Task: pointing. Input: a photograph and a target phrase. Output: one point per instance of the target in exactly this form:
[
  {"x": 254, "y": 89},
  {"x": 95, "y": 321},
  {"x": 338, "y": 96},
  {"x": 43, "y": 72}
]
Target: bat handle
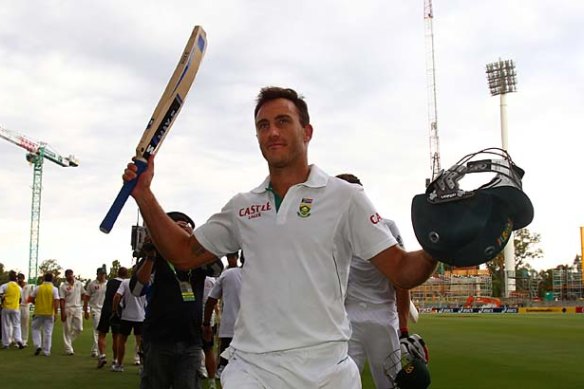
[{"x": 114, "y": 211}]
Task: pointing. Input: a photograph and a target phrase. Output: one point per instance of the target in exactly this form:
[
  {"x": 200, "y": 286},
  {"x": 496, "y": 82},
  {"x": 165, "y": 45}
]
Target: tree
[
  {"x": 523, "y": 242},
  {"x": 113, "y": 273},
  {"x": 3, "y": 275},
  {"x": 51, "y": 266}
]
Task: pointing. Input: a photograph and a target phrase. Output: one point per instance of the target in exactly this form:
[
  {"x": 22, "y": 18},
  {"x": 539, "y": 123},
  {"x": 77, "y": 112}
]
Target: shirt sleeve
[
  {"x": 121, "y": 288},
  {"x": 219, "y": 234},
  {"x": 217, "y": 290},
  {"x": 367, "y": 232}
]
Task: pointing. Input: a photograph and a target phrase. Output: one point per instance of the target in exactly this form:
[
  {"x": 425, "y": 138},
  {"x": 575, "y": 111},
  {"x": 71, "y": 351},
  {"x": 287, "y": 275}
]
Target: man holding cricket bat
[{"x": 299, "y": 230}]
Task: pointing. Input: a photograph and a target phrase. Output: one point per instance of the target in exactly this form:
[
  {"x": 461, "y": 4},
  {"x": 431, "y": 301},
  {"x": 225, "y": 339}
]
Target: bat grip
[{"x": 114, "y": 211}]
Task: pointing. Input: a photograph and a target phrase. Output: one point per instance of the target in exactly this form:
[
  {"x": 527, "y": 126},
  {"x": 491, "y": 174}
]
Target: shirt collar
[{"x": 316, "y": 179}]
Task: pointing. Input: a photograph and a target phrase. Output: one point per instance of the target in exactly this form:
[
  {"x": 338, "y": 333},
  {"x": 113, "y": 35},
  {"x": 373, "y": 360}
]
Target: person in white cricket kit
[
  {"x": 71, "y": 295},
  {"x": 24, "y": 307},
  {"x": 299, "y": 230},
  {"x": 93, "y": 299},
  {"x": 378, "y": 311}
]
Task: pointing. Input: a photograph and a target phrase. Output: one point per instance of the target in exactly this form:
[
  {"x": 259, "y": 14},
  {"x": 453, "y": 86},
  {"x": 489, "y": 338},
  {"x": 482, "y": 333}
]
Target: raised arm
[{"x": 173, "y": 243}]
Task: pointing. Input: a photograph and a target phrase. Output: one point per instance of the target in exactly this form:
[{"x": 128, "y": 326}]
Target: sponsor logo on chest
[{"x": 255, "y": 210}]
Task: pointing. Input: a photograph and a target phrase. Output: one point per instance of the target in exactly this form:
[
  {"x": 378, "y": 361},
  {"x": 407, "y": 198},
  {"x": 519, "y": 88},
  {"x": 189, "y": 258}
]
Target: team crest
[{"x": 304, "y": 208}]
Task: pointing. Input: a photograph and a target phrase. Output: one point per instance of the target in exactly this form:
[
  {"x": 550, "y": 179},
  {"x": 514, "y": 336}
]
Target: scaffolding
[
  {"x": 453, "y": 287},
  {"x": 567, "y": 284}
]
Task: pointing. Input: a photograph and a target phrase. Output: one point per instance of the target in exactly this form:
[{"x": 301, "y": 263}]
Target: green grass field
[{"x": 466, "y": 351}]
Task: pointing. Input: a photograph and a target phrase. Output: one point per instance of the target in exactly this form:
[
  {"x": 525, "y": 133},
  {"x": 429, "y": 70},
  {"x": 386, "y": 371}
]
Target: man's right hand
[{"x": 145, "y": 179}]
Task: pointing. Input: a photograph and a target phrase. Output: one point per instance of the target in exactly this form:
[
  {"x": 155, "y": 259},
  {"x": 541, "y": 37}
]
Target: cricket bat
[
  {"x": 414, "y": 314},
  {"x": 163, "y": 117}
]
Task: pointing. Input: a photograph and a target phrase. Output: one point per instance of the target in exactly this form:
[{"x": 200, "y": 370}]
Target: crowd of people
[{"x": 324, "y": 287}]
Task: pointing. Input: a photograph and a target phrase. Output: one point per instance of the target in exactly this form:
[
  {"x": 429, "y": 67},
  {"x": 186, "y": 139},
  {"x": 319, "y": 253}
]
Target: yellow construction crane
[{"x": 37, "y": 152}]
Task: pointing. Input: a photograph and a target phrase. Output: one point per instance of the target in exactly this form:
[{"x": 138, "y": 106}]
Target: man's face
[
  {"x": 70, "y": 277},
  {"x": 282, "y": 139},
  {"x": 185, "y": 226},
  {"x": 101, "y": 277},
  {"x": 21, "y": 281}
]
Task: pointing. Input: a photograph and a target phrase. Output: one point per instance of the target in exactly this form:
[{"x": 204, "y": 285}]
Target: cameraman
[{"x": 171, "y": 336}]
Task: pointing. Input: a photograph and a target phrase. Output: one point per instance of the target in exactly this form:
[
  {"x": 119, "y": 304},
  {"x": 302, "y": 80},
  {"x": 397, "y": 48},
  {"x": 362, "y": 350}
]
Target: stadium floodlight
[{"x": 502, "y": 79}]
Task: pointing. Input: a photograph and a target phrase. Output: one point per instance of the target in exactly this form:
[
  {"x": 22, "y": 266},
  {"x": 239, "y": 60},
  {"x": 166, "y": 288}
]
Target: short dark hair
[
  {"x": 269, "y": 93},
  {"x": 20, "y": 275},
  {"x": 68, "y": 271},
  {"x": 123, "y": 272},
  {"x": 12, "y": 275},
  {"x": 353, "y": 179},
  {"x": 48, "y": 277}
]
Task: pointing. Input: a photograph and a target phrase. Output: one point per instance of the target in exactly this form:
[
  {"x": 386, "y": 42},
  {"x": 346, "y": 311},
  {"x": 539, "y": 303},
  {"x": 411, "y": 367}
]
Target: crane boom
[
  {"x": 431, "y": 80},
  {"x": 37, "y": 152},
  {"x": 34, "y": 147}
]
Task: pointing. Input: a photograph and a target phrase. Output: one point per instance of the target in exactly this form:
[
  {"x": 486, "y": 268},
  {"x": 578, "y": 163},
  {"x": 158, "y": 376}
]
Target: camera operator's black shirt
[{"x": 168, "y": 317}]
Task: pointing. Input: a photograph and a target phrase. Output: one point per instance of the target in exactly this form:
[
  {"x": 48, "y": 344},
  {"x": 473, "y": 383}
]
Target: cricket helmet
[
  {"x": 407, "y": 370},
  {"x": 467, "y": 228}
]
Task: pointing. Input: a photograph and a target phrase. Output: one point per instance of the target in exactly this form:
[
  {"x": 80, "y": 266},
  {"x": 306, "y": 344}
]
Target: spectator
[
  {"x": 110, "y": 319},
  {"x": 172, "y": 327},
  {"x": 132, "y": 316}
]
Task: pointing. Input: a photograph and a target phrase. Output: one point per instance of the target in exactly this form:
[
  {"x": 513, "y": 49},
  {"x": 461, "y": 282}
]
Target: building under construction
[{"x": 453, "y": 287}]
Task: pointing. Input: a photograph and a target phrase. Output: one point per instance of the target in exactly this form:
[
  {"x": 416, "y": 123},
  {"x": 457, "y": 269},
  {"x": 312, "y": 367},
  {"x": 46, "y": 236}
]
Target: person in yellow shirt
[
  {"x": 45, "y": 298},
  {"x": 11, "y": 293}
]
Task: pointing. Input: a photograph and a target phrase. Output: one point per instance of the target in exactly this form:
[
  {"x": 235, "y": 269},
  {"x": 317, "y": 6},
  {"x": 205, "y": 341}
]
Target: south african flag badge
[{"x": 304, "y": 207}]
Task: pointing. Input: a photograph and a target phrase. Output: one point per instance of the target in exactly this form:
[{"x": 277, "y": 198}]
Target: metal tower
[
  {"x": 37, "y": 152},
  {"x": 431, "y": 80}
]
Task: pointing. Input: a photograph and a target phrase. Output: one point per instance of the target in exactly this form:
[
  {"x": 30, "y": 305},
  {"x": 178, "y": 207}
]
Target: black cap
[
  {"x": 469, "y": 228},
  {"x": 179, "y": 216}
]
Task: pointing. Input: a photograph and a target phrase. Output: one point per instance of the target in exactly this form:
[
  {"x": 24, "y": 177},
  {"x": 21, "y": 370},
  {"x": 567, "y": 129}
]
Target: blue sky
[{"x": 85, "y": 76}]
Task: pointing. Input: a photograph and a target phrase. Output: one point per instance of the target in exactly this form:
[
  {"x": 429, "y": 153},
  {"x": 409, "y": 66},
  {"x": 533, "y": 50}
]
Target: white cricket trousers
[
  {"x": 42, "y": 332},
  {"x": 72, "y": 327},
  {"x": 95, "y": 316},
  {"x": 326, "y": 366},
  {"x": 375, "y": 339},
  {"x": 11, "y": 326},
  {"x": 24, "y": 321}
]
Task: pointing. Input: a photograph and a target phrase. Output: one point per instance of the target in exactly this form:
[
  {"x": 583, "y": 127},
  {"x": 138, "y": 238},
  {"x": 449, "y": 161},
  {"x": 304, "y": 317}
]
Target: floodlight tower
[
  {"x": 37, "y": 153},
  {"x": 502, "y": 78},
  {"x": 431, "y": 89}
]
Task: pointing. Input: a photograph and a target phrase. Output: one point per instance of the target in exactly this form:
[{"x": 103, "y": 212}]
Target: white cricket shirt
[
  {"x": 71, "y": 294},
  {"x": 367, "y": 284},
  {"x": 96, "y": 292},
  {"x": 296, "y": 260},
  {"x": 227, "y": 288}
]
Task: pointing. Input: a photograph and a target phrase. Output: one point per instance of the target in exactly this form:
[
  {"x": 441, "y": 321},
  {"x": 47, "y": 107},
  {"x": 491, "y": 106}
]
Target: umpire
[{"x": 171, "y": 333}]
